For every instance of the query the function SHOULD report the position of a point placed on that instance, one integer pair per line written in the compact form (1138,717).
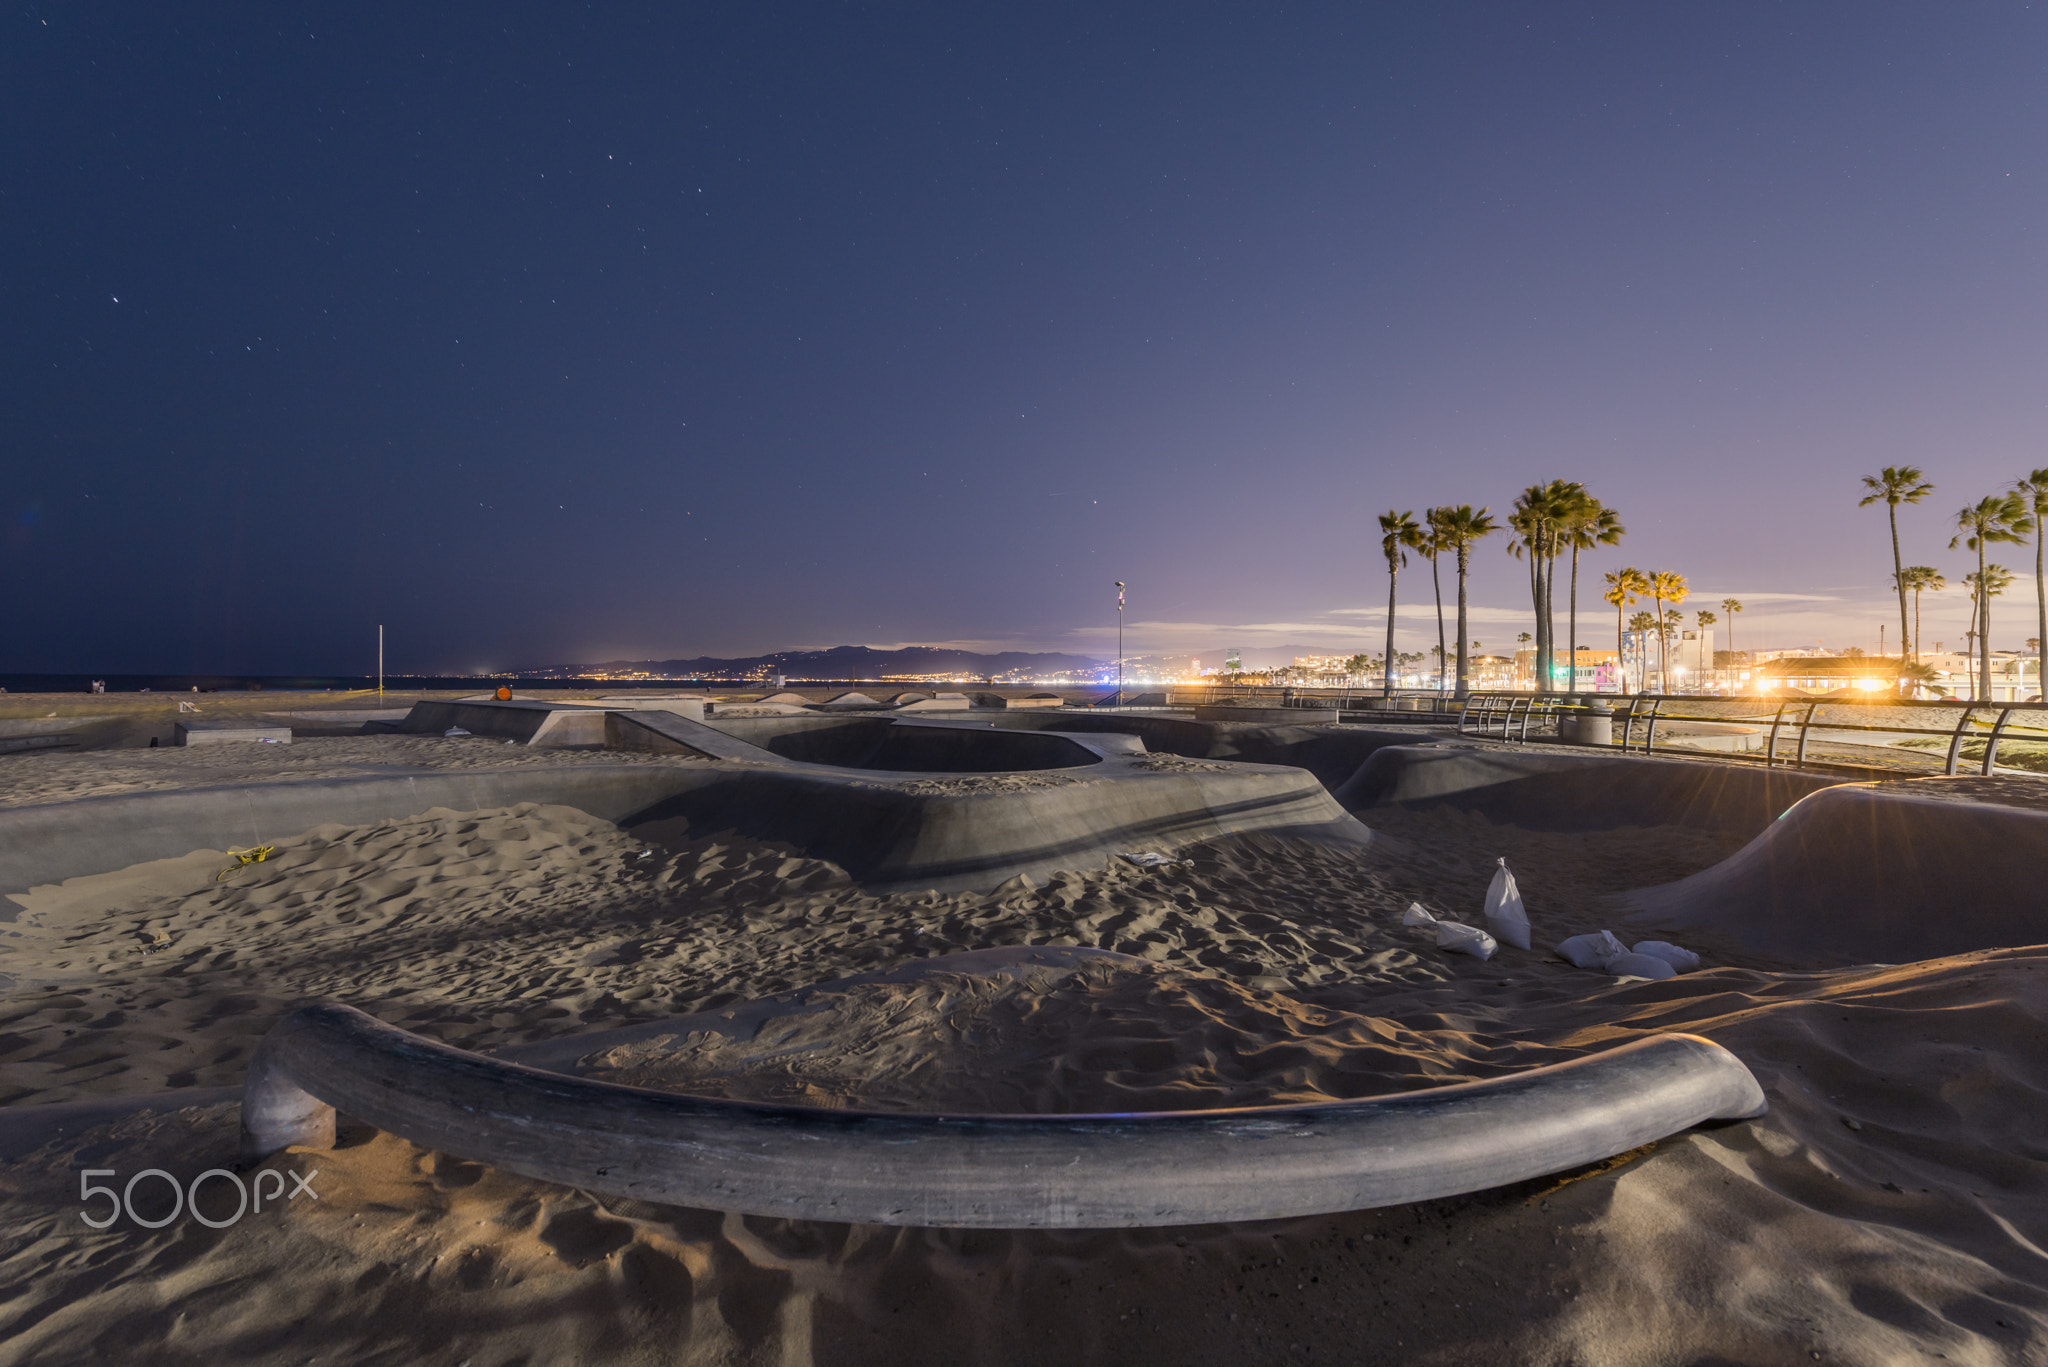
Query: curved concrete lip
(1080,1171)
(1898,871)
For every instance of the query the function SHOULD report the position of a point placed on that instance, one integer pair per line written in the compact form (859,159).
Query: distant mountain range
(844,662)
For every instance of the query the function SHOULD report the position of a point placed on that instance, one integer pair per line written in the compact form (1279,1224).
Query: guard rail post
(1955,742)
(1991,745)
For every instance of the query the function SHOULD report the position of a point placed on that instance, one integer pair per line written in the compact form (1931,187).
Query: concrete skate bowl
(953,824)
(883,742)
(945,826)
(975,1170)
(1887,872)
(1556,790)
(1332,753)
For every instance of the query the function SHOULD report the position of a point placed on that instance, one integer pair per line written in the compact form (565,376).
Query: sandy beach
(1892,1205)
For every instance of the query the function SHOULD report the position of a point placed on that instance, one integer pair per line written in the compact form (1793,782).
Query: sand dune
(1893,1205)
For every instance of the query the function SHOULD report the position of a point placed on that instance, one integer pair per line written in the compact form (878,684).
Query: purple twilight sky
(544,334)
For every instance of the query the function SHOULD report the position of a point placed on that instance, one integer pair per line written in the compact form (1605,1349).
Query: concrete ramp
(1877,872)
(1557,790)
(543,725)
(667,733)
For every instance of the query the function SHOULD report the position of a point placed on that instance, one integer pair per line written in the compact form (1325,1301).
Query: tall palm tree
(1538,517)
(1705,619)
(1399,534)
(1666,586)
(1624,587)
(1731,606)
(1434,545)
(1916,580)
(1891,486)
(1991,519)
(1587,523)
(1458,529)
(2034,490)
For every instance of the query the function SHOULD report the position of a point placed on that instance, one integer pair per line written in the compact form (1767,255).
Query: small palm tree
(1399,534)
(1457,529)
(1666,586)
(1891,486)
(1731,606)
(1994,580)
(1916,675)
(1624,587)
(1916,580)
(1705,619)
(1991,519)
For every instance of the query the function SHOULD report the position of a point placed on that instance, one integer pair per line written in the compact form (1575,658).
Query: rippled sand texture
(1117,1035)
(1892,1206)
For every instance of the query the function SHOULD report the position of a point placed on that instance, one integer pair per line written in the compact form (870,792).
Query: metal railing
(1509,716)
(1794,728)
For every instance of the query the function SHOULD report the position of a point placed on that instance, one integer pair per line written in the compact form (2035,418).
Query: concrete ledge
(1270,716)
(1559,790)
(229,732)
(979,1171)
(59,840)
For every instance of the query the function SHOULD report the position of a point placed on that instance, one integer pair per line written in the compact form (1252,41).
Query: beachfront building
(1595,671)
(1817,673)
(1815,676)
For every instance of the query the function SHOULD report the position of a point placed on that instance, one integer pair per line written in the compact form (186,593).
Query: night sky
(542,334)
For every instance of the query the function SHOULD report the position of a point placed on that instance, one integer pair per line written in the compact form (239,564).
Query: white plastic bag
(1680,959)
(1641,966)
(1505,916)
(1452,935)
(1591,950)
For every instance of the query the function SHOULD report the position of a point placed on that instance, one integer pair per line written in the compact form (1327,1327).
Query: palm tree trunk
(1536,606)
(1663,651)
(1464,666)
(1620,642)
(1572,640)
(1983,624)
(1437,582)
(1899,581)
(1393,570)
(1915,630)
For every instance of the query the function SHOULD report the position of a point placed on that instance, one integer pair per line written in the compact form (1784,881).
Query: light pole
(1119,643)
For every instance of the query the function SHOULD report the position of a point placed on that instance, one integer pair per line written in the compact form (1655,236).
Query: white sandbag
(1505,916)
(1683,960)
(1591,950)
(1464,939)
(1149,859)
(1641,966)
(1454,936)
